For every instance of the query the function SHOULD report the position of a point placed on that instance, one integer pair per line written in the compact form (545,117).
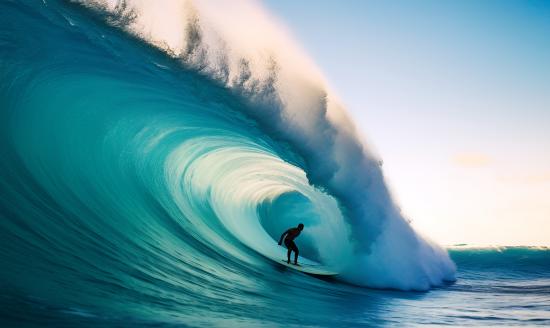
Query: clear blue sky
(454,96)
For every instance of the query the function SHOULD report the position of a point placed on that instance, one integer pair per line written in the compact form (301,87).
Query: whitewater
(154,151)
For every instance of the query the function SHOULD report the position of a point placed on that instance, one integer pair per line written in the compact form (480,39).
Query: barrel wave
(150,172)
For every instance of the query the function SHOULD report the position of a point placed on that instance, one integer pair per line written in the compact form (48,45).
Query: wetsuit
(291,245)
(289,237)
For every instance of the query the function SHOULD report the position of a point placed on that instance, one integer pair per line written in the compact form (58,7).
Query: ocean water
(147,173)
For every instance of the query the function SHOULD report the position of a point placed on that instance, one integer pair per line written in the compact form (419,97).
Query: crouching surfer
(291,234)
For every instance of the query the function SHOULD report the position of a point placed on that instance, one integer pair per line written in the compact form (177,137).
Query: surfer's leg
(289,247)
(295,249)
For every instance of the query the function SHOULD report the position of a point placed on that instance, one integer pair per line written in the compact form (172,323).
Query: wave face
(147,170)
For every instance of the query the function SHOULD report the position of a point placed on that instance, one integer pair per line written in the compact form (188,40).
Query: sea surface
(148,172)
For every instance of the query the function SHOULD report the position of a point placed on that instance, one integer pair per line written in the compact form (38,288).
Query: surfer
(291,234)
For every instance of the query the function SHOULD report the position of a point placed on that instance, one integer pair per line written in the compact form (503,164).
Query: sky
(454,96)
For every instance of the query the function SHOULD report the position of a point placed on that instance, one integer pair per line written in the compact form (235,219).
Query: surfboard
(305,265)
(311,268)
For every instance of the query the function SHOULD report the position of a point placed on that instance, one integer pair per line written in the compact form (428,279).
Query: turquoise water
(138,190)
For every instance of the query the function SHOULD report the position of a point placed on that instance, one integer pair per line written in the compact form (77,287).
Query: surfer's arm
(283,236)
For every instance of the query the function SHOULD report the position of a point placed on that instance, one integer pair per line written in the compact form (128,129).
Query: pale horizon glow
(455,98)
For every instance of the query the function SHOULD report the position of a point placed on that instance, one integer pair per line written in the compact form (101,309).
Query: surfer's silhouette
(291,234)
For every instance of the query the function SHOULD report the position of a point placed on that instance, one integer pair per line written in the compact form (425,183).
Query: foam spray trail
(238,44)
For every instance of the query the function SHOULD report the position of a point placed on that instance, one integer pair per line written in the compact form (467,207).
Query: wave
(150,165)
(527,262)
(240,46)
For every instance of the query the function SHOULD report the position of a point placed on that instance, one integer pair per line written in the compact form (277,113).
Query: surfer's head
(301,226)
